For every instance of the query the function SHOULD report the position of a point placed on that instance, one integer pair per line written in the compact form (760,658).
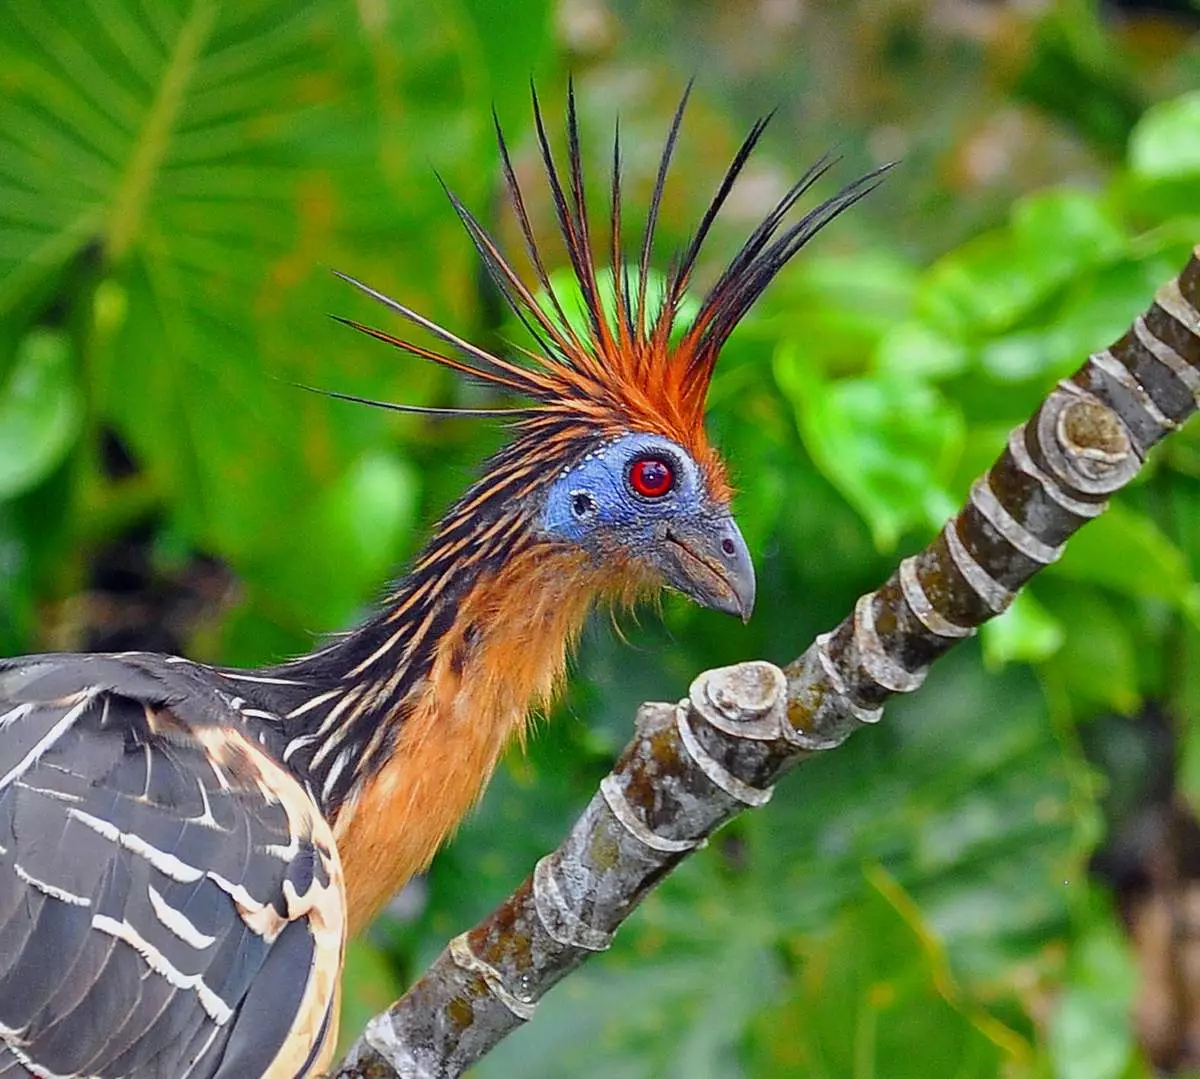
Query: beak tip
(715,570)
(740,589)
(745,602)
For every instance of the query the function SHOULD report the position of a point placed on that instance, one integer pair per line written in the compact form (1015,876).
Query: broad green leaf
(360,522)
(878,282)
(875,998)
(211,161)
(512,39)
(1071,219)
(1090,1033)
(887,443)
(1127,552)
(1096,667)
(1094,310)
(1025,633)
(1165,145)
(836,308)
(989,284)
(41,410)
(915,350)
(975,819)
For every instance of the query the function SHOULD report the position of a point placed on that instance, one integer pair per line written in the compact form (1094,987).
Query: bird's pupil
(651,477)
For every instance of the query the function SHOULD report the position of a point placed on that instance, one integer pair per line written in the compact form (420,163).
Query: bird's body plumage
(171,900)
(184,848)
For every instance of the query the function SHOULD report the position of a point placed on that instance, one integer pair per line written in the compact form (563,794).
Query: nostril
(727,545)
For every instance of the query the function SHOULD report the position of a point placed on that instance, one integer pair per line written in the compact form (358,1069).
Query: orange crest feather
(621,371)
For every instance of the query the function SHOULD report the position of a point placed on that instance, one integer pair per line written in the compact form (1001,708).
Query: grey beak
(708,561)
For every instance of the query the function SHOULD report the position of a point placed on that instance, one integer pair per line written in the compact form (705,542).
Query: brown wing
(171,902)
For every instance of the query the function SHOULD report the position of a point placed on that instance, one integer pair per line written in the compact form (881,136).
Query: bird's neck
(346,706)
(399,724)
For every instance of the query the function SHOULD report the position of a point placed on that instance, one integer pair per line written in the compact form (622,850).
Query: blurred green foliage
(176,178)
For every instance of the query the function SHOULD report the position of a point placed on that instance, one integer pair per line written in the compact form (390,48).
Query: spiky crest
(621,371)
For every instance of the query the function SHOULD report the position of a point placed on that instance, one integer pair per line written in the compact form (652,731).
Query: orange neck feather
(504,655)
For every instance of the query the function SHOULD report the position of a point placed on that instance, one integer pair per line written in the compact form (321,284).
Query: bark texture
(692,766)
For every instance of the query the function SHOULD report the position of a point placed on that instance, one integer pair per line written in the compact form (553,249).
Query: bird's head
(642,500)
(610,457)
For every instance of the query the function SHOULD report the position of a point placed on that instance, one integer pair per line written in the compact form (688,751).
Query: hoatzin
(184,848)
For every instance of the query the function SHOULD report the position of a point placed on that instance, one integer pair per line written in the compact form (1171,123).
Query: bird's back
(171,901)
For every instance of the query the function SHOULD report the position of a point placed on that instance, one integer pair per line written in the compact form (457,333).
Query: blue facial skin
(685,538)
(593,500)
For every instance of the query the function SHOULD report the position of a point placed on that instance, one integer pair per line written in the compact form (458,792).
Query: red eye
(651,477)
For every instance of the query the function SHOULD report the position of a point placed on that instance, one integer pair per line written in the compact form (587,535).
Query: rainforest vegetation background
(1002,878)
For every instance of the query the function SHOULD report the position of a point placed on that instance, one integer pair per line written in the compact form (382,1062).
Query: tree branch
(692,766)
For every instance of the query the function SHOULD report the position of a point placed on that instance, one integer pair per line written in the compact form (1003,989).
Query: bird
(185,847)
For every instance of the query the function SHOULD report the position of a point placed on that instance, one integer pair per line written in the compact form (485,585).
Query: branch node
(994,596)
(559,921)
(880,667)
(1085,444)
(465,959)
(922,606)
(743,701)
(618,804)
(984,499)
(1169,358)
(821,713)
(1092,432)
(717,773)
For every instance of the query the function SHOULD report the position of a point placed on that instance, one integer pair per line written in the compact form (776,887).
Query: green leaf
(513,38)
(211,161)
(1125,551)
(1165,145)
(40,412)
(976,819)
(915,350)
(1078,221)
(359,523)
(989,284)
(876,998)
(1025,633)
(1090,1033)
(887,443)
(1093,310)
(1096,667)
(838,307)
